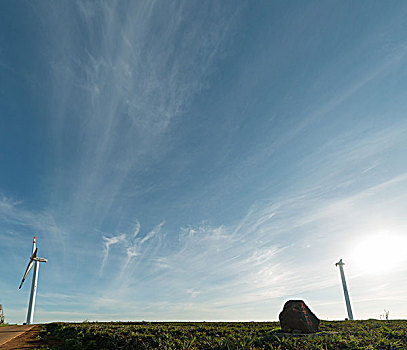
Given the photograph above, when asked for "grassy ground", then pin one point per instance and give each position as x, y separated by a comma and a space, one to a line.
371, 334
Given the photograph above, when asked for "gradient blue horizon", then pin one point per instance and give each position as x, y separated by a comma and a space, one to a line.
197, 160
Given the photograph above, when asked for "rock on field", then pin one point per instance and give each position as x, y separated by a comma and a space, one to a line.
296, 317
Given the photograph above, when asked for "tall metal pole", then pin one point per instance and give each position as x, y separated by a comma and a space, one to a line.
345, 289
31, 304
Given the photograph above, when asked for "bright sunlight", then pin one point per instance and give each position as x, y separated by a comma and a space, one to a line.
379, 254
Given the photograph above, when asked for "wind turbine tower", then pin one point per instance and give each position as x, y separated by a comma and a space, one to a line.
34, 260
340, 263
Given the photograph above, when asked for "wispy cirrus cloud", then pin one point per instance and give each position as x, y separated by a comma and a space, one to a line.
131, 245
285, 246
124, 87
107, 242
16, 219
255, 143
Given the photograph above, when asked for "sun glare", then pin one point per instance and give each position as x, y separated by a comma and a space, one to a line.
378, 254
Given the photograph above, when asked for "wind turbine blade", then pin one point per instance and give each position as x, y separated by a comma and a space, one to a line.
30, 265
34, 254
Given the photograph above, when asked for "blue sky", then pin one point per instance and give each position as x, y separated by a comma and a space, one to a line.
195, 160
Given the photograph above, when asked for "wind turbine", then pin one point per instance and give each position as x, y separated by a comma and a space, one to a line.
34, 260
340, 263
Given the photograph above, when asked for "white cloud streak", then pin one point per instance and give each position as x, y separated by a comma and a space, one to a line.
107, 242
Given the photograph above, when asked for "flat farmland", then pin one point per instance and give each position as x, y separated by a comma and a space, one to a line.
369, 334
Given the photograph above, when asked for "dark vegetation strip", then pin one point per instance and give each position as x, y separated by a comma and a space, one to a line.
370, 334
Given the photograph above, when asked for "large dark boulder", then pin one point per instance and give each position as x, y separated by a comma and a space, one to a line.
296, 317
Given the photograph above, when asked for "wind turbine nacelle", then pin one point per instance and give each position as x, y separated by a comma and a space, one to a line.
340, 263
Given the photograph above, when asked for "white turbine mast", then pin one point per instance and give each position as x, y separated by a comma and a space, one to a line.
340, 263
34, 260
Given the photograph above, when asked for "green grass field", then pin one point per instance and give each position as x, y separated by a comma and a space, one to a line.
371, 334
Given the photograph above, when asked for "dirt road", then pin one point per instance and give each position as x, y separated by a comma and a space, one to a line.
11, 332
